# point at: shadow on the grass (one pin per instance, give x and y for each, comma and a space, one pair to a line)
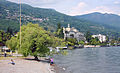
44, 61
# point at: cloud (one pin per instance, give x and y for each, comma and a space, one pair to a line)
101, 9
78, 9
106, 9
81, 5
67, 6
116, 2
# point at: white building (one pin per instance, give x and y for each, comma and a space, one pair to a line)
102, 38
73, 33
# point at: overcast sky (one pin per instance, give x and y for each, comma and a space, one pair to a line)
77, 7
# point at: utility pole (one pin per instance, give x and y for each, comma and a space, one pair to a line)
20, 24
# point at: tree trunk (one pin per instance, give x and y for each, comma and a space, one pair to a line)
36, 58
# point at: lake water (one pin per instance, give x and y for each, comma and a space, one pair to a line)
91, 60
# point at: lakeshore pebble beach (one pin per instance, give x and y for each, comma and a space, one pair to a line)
25, 66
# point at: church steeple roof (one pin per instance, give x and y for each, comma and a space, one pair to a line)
68, 25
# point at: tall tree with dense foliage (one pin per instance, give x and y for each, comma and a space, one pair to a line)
59, 32
95, 41
88, 36
10, 30
81, 42
112, 42
58, 26
4, 37
71, 41
11, 44
35, 41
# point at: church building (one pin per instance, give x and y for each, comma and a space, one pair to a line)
73, 33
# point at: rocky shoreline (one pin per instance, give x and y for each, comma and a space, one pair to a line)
58, 69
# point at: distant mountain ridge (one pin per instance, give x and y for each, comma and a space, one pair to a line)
47, 18
108, 20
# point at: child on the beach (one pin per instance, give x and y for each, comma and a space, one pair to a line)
51, 61
12, 62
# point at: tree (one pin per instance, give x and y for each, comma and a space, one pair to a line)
12, 44
107, 39
59, 42
10, 30
58, 26
71, 41
88, 36
59, 33
4, 37
113, 41
34, 41
95, 41
119, 39
81, 42
0, 39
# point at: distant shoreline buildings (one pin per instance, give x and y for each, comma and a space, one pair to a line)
102, 38
73, 33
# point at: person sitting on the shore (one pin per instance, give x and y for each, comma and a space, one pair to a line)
51, 61
12, 62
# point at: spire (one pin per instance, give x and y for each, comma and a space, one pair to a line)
68, 25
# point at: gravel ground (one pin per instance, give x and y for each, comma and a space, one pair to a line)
25, 66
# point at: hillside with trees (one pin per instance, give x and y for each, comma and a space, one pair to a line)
108, 20
47, 18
